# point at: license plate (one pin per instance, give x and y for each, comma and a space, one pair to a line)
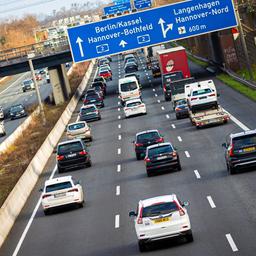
59, 195
205, 97
249, 149
162, 220
93, 100
161, 157
71, 155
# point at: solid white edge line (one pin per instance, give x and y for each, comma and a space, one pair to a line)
210, 200
119, 151
118, 168
237, 122
179, 139
231, 243
187, 154
117, 190
198, 176
23, 236
117, 221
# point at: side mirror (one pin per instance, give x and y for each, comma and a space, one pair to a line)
162, 135
132, 214
185, 203
224, 145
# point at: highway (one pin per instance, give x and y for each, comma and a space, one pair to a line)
11, 94
222, 207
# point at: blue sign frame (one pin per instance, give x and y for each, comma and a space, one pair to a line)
113, 9
150, 27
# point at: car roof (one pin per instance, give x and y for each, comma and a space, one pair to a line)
244, 133
158, 199
17, 105
88, 106
147, 131
58, 180
128, 79
78, 122
69, 141
130, 63
134, 100
159, 145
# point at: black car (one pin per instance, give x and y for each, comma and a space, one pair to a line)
240, 151
181, 109
89, 113
94, 99
95, 91
145, 139
100, 79
72, 154
167, 79
100, 85
161, 156
130, 67
17, 111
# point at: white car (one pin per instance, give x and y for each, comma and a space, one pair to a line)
202, 94
160, 218
79, 130
1, 113
134, 107
2, 129
61, 191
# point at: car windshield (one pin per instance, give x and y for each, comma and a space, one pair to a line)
160, 150
70, 147
94, 96
89, 92
181, 102
245, 141
104, 71
97, 84
133, 104
97, 79
27, 82
148, 136
129, 86
88, 110
77, 126
16, 108
58, 186
131, 60
159, 209
202, 91
130, 64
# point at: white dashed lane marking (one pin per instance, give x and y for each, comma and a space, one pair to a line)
153, 90
198, 176
118, 168
167, 116
119, 117
187, 154
212, 204
119, 137
118, 109
156, 95
117, 190
162, 108
119, 151
117, 221
119, 126
231, 243
158, 101
173, 126
179, 139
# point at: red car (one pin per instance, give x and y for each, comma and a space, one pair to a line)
106, 74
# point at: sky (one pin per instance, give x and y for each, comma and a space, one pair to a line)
19, 8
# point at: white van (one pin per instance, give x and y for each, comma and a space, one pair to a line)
128, 89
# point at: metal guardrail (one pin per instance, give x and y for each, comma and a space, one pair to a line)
42, 49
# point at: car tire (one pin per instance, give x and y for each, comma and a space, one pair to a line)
179, 167
138, 156
89, 164
46, 212
189, 237
81, 205
231, 170
60, 170
177, 117
91, 139
142, 246
149, 173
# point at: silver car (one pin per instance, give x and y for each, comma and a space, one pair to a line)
79, 130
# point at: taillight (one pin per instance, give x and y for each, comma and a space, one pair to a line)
177, 109
147, 160
139, 221
138, 144
181, 212
59, 157
195, 98
231, 151
100, 98
174, 153
141, 106
73, 190
211, 95
164, 88
83, 153
85, 101
160, 140
45, 196
126, 108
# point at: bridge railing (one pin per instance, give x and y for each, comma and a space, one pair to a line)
45, 48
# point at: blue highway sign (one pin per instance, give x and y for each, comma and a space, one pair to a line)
141, 4
120, 1
149, 27
117, 8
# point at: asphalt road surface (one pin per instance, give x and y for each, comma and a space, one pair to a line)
11, 94
222, 207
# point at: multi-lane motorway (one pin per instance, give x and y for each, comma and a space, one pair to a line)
11, 94
222, 207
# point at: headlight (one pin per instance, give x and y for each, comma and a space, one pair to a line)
22, 111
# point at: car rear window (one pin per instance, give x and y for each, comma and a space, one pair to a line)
58, 186
88, 110
94, 96
202, 91
27, 82
92, 91
77, 126
133, 104
104, 71
16, 108
70, 147
245, 141
159, 209
160, 150
129, 86
95, 84
148, 136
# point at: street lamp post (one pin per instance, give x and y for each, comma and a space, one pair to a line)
30, 56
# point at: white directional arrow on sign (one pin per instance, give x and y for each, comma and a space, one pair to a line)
79, 42
123, 43
164, 31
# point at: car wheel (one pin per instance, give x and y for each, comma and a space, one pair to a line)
100, 118
190, 237
81, 205
60, 170
46, 212
138, 156
177, 117
179, 167
142, 246
89, 164
91, 139
149, 173
232, 170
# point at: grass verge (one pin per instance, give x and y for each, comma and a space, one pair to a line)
243, 89
198, 62
15, 160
